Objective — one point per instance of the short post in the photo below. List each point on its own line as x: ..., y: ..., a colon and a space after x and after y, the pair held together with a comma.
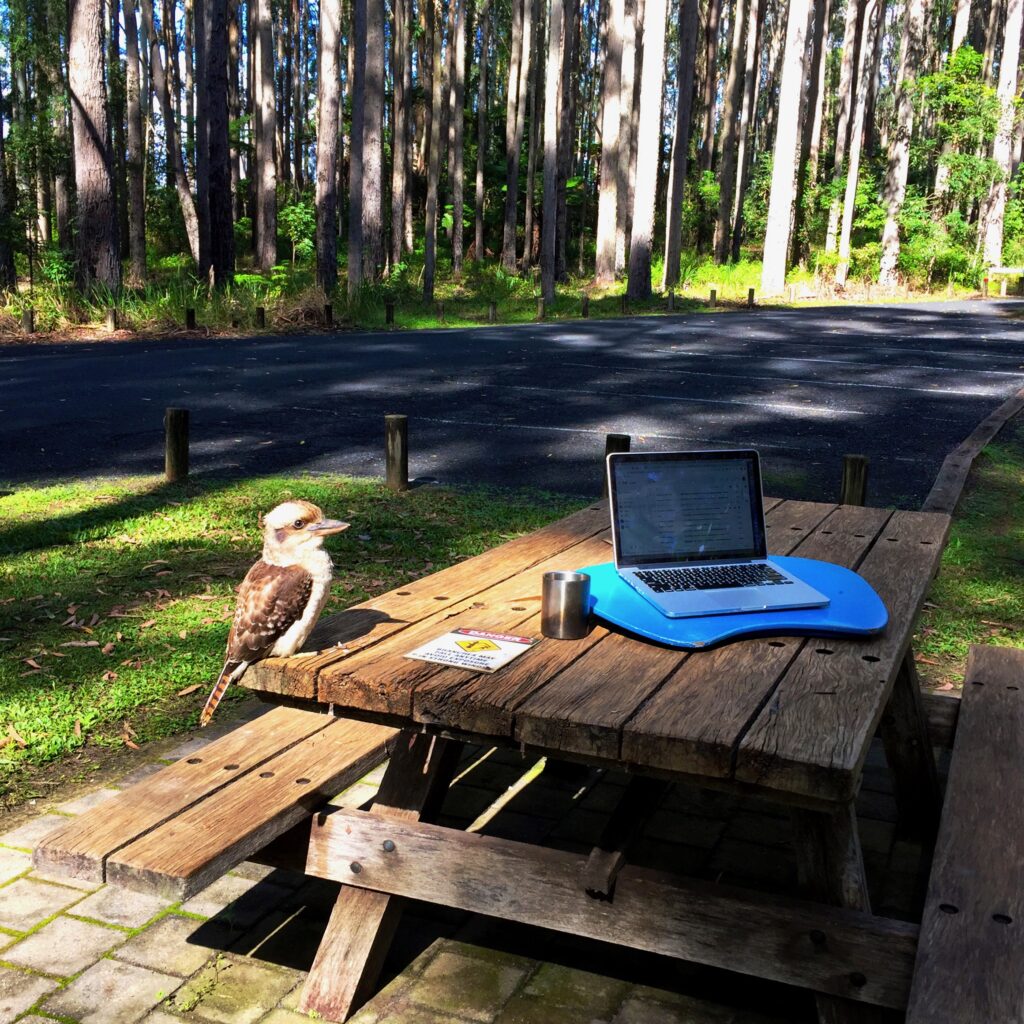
x: 984, y: 287
x: 175, y: 444
x: 624, y: 304
x: 492, y: 312
x: 949, y: 288
x: 440, y: 311
x: 585, y: 307
x: 750, y: 298
x: 713, y: 298
x: 854, y: 489
x: 235, y: 322
x: 28, y: 321
x: 328, y: 315
x: 396, y: 451
x: 792, y: 293
x: 613, y: 443
x: 111, y: 319
x: 671, y: 300
x: 540, y: 309
x: 389, y: 312
x: 1002, y: 288
x: 867, y: 289
x: 261, y: 317
x: 190, y: 319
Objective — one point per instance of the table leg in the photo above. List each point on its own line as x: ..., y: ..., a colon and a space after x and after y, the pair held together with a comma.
x: 909, y: 752
x: 363, y: 922
x: 831, y: 870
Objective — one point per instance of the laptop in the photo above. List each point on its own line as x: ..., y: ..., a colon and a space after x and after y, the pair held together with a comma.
x: 688, y: 534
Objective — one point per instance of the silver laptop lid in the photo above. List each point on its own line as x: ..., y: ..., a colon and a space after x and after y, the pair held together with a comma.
x: 679, y: 508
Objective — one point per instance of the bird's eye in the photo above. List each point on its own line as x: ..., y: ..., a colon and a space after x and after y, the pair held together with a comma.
x: 298, y: 524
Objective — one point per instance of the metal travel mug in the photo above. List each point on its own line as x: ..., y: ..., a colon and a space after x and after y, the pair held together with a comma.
x: 565, y: 605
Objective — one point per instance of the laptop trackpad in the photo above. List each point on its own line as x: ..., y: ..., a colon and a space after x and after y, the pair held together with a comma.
x: 730, y: 601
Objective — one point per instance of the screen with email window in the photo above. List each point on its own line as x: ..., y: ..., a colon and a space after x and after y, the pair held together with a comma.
x: 687, y: 509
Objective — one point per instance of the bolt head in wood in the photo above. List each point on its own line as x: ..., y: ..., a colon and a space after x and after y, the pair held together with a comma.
x: 355, y: 867
x: 389, y: 846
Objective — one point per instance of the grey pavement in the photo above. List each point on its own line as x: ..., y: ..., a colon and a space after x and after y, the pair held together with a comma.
x: 529, y: 405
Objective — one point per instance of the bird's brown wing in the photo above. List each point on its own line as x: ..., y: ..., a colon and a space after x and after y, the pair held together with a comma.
x: 270, y: 600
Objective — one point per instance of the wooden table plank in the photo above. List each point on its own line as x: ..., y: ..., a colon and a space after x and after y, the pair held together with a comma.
x: 812, y: 736
x: 82, y: 846
x: 371, y: 621
x: 694, y: 723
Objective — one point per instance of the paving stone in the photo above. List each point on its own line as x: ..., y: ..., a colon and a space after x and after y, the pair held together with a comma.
x: 144, y: 771
x: 234, y: 992
x: 156, y: 1017
x: 254, y: 872
x: 683, y: 1011
x: 68, y: 881
x: 25, y: 903
x: 87, y: 801
x: 65, y: 946
x: 464, y: 985
x: 33, y: 1019
x: 289, y: 938
x: 285, y: 1017
x: 13, y: 863
x: 19, y: 991
x: 400, y: 1011
x: 112, y: 992
x: 580, y: 991
x: 125, y: 907
x: 239, y: 902
x: 166, y: 946
x: 29, y: 833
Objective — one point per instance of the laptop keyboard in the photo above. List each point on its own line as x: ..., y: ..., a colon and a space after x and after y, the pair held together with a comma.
x: 711, y: 577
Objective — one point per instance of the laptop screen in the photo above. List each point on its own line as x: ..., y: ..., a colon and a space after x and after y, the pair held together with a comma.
x: 686, y: 507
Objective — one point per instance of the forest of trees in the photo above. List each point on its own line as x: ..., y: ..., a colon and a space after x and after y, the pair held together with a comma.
x: 374, y: 142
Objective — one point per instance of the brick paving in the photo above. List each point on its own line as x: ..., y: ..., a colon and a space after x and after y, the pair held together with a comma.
x: 238, y: 952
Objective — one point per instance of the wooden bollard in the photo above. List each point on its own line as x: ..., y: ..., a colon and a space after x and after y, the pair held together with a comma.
x: 713, y: 298
x: 492, y: 312
x: 261, y: 317
x: 1002, y: 288
x: 613, y: 443
x: 28, y: 321
x: 111, y: 319
x: 328, y: 315
x: 867, y: 292
x: 949, y: 289
x: 854, y: 489
x: 984, y: 287
x: 540, y: 309
x: 624, y: 304
x: 792, y: 293
x: 190, y: 319
x: 440, y: 311
x: 750, y: 298
x: 671, y: 300
x: 389, y: 312
x: 396, y: 451
x: 175, y: 444
x: 585, y: 307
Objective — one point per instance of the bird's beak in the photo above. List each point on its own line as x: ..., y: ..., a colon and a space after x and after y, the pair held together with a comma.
x: 327, y: 526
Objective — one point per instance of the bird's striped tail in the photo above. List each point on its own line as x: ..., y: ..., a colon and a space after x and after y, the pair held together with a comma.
x: 226, y: 677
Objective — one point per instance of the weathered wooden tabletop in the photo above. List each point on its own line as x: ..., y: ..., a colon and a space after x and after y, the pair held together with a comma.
x: 790, y: 717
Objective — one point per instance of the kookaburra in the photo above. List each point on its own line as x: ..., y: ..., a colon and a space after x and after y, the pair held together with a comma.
x: 282, y: 595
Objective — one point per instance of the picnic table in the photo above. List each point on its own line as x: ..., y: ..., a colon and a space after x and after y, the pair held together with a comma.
x: 787, y: 719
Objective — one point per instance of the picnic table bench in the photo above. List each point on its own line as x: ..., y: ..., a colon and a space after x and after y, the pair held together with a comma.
x: 788, y: 719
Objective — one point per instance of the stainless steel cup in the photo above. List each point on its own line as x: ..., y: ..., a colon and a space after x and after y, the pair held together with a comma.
x: 565, y: 605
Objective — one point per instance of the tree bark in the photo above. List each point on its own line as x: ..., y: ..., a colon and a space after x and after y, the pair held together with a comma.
x: 515, y: 118
x: 201, y: 98
x: 961, y: 24
x: 265, y: 113
x: 787, y: 134
x: 752, y: 79
x: 484, y: 18
x: 688, y: 25
x: 874, y: 15
x: 98, y: 262
x: 707, y: 145
x: 8, y: 277
x: 135, y: 165
x: 458, y: 123
x: 434, y: 22
x: 552, y: 94
x: 234, y: 107
x: 357, y: 137
x: 298, y: 118
x: 607, y: 202
x: 648, y: 140
x: 627, y: 82
x: 373, y: 144
x: 732, y: 99
x: 1002, y: 147
x: 328, y: 100
x: 536, y: 99
x: 218, y: 150
x: 402, y: 73
x: 566, y: 119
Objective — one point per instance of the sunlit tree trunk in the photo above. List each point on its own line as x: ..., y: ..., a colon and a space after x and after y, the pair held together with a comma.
x: 566, y: 118
x: 961, y: 26
x: 222, y: 236
x: 873, y: 85
x: 135, y: 162
x: 552, y: 94
x: 732, y: 101
x: 435, y: 22
x: 298, y: 139
x: 265, y: 112
x: 787, y: 134
x: 8, y: 278
x: 328, y: 100
x: 627, y: 82
x: 515, y: 115
x: 688, y: 24
x: 402, y: 71
x: 94, y: 178
x: 849, y: 62
x: 648, y: 139
x: 534, y: 141
x: 710, y: 84
x: 745, y: 156
x: 373, y: 144
x: 607, y: 202
x: 911, y: 60
x: 457, y: 115
x: 484, y: 18
x: 1002, y: 147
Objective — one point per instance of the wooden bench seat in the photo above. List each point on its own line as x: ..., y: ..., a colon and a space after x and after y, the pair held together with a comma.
x: 177, y: 831
x: 970, y: 958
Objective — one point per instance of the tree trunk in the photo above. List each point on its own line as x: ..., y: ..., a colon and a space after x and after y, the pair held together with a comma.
x: 634, y: 128
x: 566, y: 120
x: 190, y: 89
x: 8, y: 277
x: 732, y: 99
x: 98, y: 262
x: 873, y: 85
x: 648, y: 140
x: 201, y: 100
x: 552, y: 93
x: 484, y: 18
x: 911, y: 60
x: 787, y: 135
x: 222, y: 236
x: 402, y: 72
x: 607, y: 202
x: 135, y: 166
x: 995, y: 11
x: 328, y: 97
x: 961, y: 24
x: 265, y: 113
x: 234, y: 107
x: 458, y: 123
x: 688, y: 25
x: 515, y: 115
x: 744, y: 158
x: 628, y: 86
x: 373, y: 144
x: 298, y: 118
x: 872, y: 26
x: 434, y: 23
x: 357, y: 136
x: 1002, y: 147
x: 533, y: 145
x: 707, y: 145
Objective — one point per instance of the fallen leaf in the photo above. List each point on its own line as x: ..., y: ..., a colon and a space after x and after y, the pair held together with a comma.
x: 108, y: 648
x: 129, y: 743
x: 183, y: 633
x: 188, y: 690
x: 152, y: 565
x: 109, y: 676
x: 95, y: 618
x: 78, y: 727
x: 128, y: 729
x: 147, y: 624
x: 925, y: 661
x: 16, y: 736
x: 81, y: 643
x: 32, y: 663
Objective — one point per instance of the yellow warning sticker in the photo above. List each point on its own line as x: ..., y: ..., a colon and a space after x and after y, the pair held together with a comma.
x: 477, y: 650
x: 478, y: 645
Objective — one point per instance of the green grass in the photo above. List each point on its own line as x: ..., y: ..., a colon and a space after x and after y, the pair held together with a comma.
x: 978, y: 597
x: 117, y: 595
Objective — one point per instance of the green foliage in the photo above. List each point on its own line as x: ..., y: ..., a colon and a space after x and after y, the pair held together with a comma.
x: 57, y: 267
x: 755, y: 202
x: 297, y: 221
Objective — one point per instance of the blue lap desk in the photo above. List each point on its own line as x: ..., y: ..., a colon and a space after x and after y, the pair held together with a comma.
x: 853, y: 609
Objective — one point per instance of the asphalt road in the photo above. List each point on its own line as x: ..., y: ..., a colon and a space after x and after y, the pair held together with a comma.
x: 530, y: 405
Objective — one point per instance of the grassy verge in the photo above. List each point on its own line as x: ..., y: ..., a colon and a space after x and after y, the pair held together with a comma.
x: 978, y: 597
x: 115, y: 596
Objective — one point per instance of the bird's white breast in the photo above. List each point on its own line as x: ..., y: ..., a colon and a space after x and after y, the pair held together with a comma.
x: 318, y: 564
